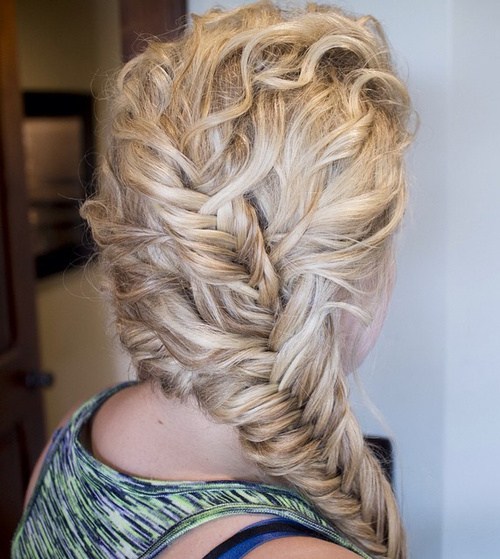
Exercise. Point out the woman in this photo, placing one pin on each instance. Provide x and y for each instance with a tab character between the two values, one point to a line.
253	183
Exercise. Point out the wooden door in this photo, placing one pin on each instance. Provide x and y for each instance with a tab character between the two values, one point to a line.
146	18
21	416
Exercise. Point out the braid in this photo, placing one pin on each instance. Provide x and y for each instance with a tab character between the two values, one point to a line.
253	183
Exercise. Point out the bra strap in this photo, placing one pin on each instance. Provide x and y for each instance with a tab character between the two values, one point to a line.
249	538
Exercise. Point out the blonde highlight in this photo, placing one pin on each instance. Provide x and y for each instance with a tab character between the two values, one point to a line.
252	187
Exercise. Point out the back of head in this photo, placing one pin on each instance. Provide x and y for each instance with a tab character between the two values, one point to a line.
252	186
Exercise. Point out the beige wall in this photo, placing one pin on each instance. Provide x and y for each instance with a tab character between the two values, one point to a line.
72	45
77	341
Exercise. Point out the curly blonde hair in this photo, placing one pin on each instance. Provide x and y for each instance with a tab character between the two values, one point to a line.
253	182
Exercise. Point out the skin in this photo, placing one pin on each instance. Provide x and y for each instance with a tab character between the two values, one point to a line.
139	432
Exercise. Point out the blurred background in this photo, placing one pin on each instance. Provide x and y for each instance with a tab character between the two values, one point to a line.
434	377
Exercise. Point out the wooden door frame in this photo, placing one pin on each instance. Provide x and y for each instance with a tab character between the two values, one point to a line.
22	432
13	193
22	355
148	18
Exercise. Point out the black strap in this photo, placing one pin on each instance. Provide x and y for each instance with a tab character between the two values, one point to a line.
279	528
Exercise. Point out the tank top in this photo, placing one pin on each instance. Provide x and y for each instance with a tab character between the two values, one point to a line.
82	508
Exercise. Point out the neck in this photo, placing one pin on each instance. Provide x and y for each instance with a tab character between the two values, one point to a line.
205	449
141	432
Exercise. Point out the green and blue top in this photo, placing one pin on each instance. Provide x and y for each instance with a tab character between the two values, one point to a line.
82	508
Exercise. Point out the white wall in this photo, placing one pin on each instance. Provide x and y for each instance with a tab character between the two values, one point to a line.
435	374
472	428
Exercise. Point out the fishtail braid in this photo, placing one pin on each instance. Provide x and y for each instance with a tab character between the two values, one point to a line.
252	187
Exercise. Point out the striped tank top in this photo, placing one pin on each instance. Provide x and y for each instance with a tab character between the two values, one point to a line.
82	508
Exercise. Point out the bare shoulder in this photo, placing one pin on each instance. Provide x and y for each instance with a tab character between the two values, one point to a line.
300	547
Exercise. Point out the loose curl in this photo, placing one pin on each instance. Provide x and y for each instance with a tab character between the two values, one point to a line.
252	186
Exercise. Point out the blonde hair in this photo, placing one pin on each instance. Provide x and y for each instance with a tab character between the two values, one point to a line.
252	186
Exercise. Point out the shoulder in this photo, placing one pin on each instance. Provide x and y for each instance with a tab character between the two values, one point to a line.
299	547
41	459
61	425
